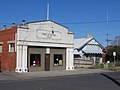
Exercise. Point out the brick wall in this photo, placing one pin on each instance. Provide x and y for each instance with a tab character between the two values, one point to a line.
8	59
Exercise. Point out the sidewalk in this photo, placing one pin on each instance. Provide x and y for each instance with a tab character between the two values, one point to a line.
29	75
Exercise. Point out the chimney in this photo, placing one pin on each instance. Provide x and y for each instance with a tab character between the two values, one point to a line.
4	26
13	24
89	35
23	22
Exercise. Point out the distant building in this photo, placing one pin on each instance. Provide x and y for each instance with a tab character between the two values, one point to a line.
88	49
36	46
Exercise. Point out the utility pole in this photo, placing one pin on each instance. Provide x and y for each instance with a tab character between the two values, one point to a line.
108	40
107	19
117	39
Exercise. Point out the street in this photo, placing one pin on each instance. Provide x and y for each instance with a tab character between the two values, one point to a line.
70	82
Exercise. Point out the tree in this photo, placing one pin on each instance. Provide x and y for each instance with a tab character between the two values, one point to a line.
116	41
110	56
114	47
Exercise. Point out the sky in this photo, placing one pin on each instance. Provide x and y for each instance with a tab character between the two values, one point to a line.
96	17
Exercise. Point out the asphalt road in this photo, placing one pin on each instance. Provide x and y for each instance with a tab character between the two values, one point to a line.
73	82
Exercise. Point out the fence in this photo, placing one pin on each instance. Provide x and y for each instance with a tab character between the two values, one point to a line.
80	63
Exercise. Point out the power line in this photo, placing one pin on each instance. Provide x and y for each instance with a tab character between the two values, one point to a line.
93	22
5	23
9	24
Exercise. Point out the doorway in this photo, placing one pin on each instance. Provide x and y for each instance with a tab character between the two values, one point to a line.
47	62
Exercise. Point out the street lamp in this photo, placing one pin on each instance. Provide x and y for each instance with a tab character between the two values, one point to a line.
114	54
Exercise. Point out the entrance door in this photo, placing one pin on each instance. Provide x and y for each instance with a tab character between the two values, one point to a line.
47	62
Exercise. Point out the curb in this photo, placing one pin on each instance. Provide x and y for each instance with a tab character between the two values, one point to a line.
112	79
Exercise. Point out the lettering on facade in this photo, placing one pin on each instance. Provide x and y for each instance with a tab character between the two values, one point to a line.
48	34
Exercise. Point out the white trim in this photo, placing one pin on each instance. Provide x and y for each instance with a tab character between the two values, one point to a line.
1	46
1	42
69	59
10	41
11	47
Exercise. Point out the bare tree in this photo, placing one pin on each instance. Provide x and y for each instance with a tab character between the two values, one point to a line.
116	41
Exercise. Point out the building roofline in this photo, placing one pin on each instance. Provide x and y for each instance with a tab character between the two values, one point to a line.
35	22
8	28
90	39
47	21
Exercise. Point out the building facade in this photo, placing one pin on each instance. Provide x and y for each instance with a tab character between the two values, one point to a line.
7	52
41	46
88	49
